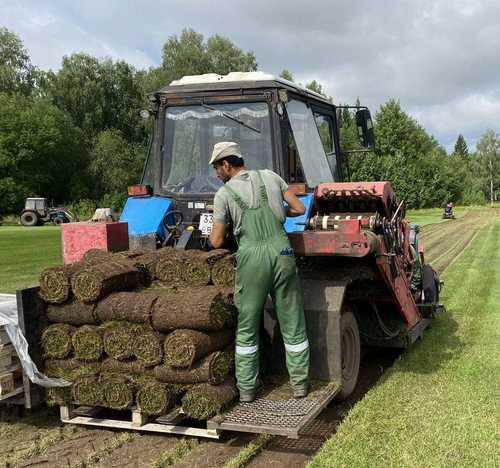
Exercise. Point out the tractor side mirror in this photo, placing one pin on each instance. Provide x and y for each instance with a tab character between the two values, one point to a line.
365	128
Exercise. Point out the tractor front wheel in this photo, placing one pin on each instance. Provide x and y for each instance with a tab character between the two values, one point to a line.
29	218
351	354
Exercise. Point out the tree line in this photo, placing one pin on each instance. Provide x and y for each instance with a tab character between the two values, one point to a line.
75	135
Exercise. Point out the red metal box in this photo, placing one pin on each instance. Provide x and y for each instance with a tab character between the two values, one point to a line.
77	238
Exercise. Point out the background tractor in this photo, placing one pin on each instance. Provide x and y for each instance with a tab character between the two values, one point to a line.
36	211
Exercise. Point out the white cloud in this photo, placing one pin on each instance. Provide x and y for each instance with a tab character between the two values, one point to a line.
439	58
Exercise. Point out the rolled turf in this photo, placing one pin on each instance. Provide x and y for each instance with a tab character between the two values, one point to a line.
97	281
223	273
88	343
129	367
128	306
88	391
213	369
204	400
148	346
146	263
198	308
184	347
94	256
55	283
118	391
56	340
118	339
156	398
169	265
70	369
74	313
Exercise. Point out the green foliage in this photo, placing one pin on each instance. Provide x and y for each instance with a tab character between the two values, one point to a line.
98	95
488	163
189	54
419	169
461	148
116	164
83	209
287	75
41	151
316	87
17	74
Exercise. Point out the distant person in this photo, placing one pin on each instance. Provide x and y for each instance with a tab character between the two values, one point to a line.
252	201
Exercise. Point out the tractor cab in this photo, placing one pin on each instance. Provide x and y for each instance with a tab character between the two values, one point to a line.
279	126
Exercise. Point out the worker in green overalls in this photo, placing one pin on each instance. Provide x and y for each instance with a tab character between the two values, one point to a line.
252	202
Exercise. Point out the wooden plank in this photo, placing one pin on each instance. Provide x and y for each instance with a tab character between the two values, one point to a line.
17	391
149	427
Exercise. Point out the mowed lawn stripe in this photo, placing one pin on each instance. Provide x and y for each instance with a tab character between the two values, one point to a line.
25	252
438	405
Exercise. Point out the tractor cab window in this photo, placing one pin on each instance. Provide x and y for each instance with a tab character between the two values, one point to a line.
325	128
311	152
191	133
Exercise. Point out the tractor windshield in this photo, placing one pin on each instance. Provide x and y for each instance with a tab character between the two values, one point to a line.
192	131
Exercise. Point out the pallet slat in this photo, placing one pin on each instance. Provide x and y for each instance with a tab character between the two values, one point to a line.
137	422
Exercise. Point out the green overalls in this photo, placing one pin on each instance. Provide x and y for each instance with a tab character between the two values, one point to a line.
266	265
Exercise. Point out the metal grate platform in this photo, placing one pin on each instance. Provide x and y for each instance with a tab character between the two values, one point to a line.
280	417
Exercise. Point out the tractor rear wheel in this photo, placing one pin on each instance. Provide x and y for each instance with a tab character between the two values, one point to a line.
351	354
29	218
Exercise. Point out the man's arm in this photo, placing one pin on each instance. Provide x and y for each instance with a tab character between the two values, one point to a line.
218	235
295	206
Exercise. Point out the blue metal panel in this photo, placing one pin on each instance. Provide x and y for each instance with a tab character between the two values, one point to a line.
298	224
145	215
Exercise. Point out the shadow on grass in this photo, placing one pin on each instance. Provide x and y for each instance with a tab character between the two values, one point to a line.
439	345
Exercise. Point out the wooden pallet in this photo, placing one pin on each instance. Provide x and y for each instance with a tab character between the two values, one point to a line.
10	383
134	419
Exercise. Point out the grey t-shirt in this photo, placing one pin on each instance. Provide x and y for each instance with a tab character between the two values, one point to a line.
246	185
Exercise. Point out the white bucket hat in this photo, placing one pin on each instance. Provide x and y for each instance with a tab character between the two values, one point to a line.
224	149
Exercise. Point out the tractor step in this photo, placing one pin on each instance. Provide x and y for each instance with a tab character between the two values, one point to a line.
275	412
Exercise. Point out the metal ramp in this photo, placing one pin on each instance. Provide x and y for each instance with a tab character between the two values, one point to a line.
275	413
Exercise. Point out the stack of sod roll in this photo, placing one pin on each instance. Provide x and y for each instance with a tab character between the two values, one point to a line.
151	329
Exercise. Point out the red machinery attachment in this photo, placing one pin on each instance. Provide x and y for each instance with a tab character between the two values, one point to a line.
364	220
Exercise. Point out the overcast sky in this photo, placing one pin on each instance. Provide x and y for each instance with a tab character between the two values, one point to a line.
441	59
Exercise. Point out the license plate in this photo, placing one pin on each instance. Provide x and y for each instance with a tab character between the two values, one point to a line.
206	223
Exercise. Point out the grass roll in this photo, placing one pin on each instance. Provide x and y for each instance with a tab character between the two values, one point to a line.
55	282
88	391
97	281
223	274
74	313
184	347
199	308
119	340
88	343
148	346
204	400
118	392
56	340
157	398
94	256
146	263
70	369
213	369
129	367
128	306
169	264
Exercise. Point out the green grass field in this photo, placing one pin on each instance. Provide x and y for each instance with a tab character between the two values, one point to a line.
25	252
434	215
439	405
